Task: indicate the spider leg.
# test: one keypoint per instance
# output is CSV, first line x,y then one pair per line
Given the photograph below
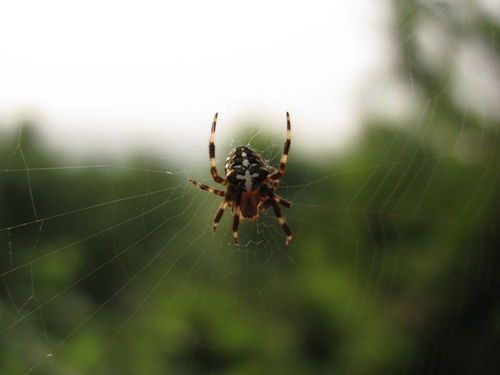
x,y
236,218
222,207
284,156
219,214
277,212
266,203
211,154
220,193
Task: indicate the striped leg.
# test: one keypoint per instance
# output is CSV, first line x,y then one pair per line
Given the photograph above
x,y
267,202
277,212
219,214
211,154
227,199
236,218
284,157
220,193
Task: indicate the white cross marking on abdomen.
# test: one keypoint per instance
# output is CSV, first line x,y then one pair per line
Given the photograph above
x,y
248,179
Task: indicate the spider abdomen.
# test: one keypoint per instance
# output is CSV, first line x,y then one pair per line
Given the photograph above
x,y
245,168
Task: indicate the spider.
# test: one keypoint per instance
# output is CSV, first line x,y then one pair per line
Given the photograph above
x,y
250,184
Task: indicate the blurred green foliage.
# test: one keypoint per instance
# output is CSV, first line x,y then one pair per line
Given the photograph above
x,y
113,269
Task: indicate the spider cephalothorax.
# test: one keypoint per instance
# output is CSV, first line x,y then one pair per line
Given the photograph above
x,y
250,182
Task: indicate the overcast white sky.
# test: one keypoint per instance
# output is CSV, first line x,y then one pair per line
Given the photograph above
x,y
152,73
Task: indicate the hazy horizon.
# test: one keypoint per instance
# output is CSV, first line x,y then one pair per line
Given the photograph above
x,y
160,83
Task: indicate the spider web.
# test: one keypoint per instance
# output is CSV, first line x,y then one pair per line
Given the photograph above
x,y
112,266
